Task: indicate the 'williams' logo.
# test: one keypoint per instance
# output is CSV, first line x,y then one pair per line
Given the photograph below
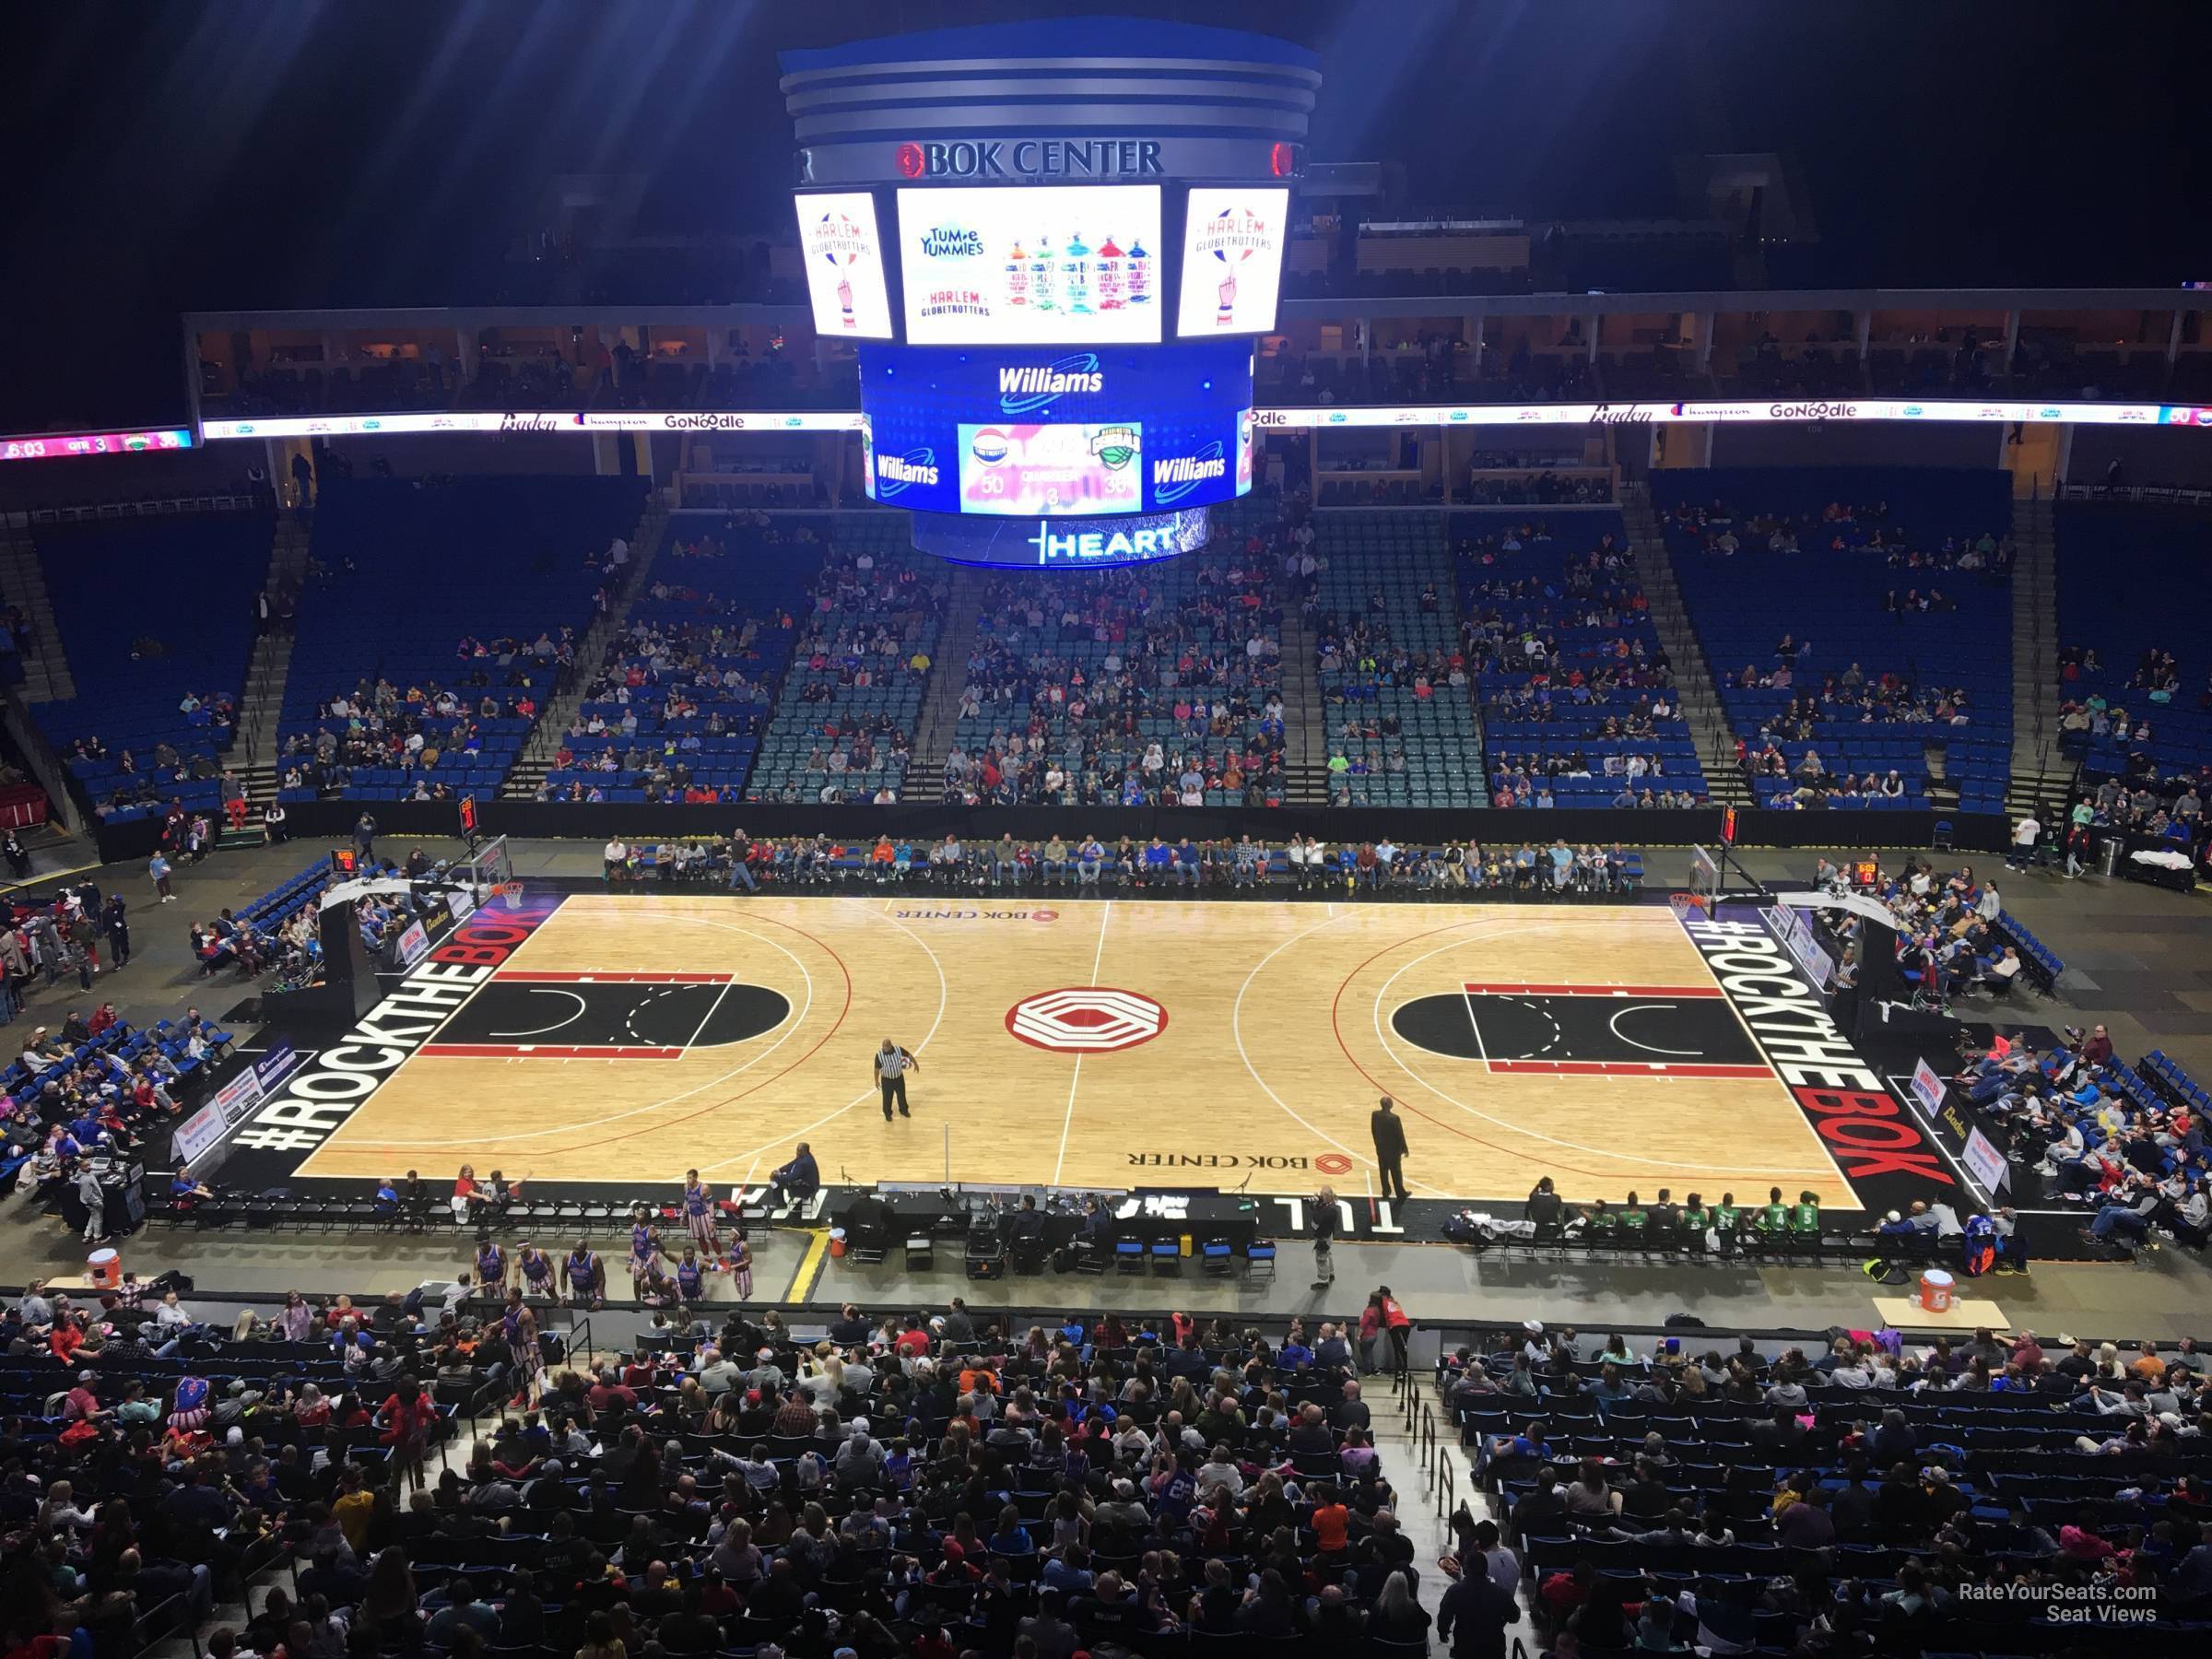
x,y
1024,391
1174,476
896,473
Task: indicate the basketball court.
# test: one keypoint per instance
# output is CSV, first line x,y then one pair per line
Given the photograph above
x,y
1119,1043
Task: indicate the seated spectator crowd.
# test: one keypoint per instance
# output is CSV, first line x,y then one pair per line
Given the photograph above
x,y
1148,684
1862,1497
844,727
175,1458
921,1485
2134,680
675,711
1376,597
2104,1138
98,1093
2130,792
1951,932
404,737
1577,695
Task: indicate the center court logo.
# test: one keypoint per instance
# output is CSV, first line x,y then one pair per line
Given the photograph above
x,y
1086,1020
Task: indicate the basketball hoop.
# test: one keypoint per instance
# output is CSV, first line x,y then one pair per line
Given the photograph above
x,y
508,893
1683,904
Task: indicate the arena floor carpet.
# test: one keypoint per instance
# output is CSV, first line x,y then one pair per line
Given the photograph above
x,y
619,1038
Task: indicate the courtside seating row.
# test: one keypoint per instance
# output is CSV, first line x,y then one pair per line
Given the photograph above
x,y
2164,1074
272,910
408,568
126,1042
1594,791
460,769
384,785
1741,606
185,584
1771,790
716,769
293,894
2042,962
911,857
196,795
2110,556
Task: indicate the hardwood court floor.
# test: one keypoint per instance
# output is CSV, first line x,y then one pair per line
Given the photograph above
x,y
1116,1044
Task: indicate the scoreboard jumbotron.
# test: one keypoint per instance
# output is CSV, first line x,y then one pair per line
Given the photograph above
x,y
1053,372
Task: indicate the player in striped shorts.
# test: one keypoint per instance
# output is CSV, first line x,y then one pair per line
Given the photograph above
x,y
644,1250
537,1268
699,1217
741,1268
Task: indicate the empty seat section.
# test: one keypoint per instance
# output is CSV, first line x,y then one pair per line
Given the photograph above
x,y
156,617
436,623
1858,623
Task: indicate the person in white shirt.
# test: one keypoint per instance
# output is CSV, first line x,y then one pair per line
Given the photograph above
x,y
172,1315
1219,1473
616,856
2025,834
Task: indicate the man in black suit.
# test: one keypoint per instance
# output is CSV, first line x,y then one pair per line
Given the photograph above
x,y
1390,1148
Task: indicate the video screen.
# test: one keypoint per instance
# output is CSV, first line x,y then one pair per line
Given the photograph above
x,y
845,279
1233,239
1060,264
1027,471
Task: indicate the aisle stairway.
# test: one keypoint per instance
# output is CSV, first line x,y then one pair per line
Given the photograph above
x,y
1431,1471
645,544
45,667
262,700
1700,699
948,678
2042,777
1305,717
